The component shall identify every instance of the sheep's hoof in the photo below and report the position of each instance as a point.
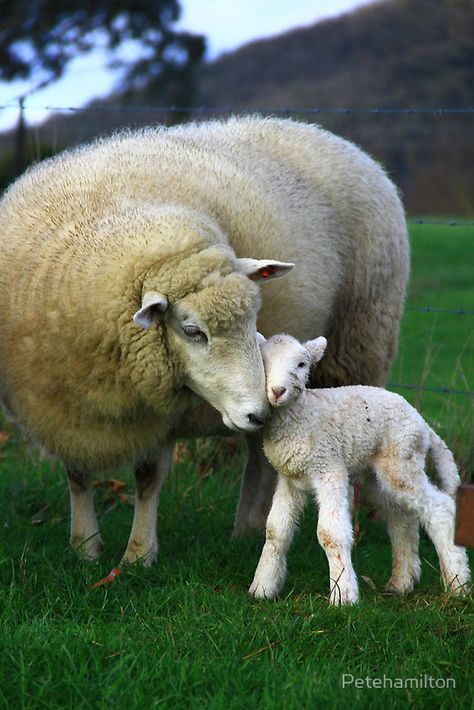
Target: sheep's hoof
(140, 554)
(250, 525)
(88, 549)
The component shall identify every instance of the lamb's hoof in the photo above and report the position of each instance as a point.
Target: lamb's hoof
(343, 597)
(89, 549)
(458, 589)
(145, 555)
(260, 590)
(397, 588)
(400, 586)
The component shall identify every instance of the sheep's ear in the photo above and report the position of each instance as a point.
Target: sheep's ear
(316, 348)
(263, 269)
(153, 306)
(260, 339)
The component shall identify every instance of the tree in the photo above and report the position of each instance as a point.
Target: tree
(38, 38)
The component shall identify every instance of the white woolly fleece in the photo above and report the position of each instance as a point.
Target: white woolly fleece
(320, 441)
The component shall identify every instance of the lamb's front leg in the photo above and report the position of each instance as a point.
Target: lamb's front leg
(85, 535)
(335, 533)
(149, 477)
(271, 570)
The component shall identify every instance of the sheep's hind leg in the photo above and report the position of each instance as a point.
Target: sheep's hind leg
(403, 530)
(258, 486)
(335, 533)
(271, 569)
(149, 477)
(85, 534)
(406, 482)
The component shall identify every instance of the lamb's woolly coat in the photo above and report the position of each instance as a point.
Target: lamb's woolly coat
(84, 234)
(321, 440)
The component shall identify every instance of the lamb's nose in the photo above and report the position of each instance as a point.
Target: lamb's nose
(278, 391)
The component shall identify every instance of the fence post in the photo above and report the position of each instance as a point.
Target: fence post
(20, 139)
(464, 534)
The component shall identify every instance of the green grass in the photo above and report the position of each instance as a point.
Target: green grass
(437, 349)
(186, 634)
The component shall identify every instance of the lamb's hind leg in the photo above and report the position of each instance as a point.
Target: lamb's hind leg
(403, 530)
(405, 481)
(149, 477)
(271, 569)
(85, 535)
(335, 533)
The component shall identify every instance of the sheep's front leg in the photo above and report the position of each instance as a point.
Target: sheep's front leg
(149, 477)
(271, 570)
(257, 489)
(85, 535)
(335, 533)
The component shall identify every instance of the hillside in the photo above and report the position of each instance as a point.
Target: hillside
(395, 54)
(391, 54)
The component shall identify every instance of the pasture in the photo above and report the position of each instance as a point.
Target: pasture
(185, 633)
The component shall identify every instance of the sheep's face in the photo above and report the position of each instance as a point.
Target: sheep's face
(222, 365)
(212, 341)
(287, 363)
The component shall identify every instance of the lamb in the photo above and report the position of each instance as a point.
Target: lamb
(129, 291)
(322, 440)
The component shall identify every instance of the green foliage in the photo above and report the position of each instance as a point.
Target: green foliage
(186, 633)
(40, 38)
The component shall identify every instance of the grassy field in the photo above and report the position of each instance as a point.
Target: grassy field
(185, 634)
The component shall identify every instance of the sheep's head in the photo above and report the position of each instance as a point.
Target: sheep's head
(206, 309)
(287, 363)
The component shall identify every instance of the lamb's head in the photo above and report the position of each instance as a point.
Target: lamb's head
(205, 311)
(287, 363)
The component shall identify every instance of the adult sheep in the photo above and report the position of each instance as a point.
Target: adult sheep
(172, 227)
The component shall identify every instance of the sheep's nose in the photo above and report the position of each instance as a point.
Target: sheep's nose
(256, 420)
(278, 391)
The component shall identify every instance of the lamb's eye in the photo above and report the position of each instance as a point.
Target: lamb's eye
(194, 333)
(301, 364)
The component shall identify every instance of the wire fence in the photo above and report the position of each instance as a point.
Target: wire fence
(444, 111)
(196, 111)
(438, 390)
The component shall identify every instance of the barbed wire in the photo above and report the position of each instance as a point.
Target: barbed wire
(422, 388)
(430, 309)
(438, 111)
(446, 223)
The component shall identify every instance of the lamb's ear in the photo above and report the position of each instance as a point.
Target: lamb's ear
(261, 339)
(316, 348)
(153, 306)
(263, 269)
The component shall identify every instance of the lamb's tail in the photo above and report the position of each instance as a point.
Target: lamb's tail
(446, 471)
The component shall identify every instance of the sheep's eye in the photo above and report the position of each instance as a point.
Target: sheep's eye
(194, 333)
(301, 364)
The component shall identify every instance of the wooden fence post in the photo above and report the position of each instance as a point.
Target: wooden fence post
(464, 532)
(20, 139)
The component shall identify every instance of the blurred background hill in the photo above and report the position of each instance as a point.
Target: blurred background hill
(391, 54)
